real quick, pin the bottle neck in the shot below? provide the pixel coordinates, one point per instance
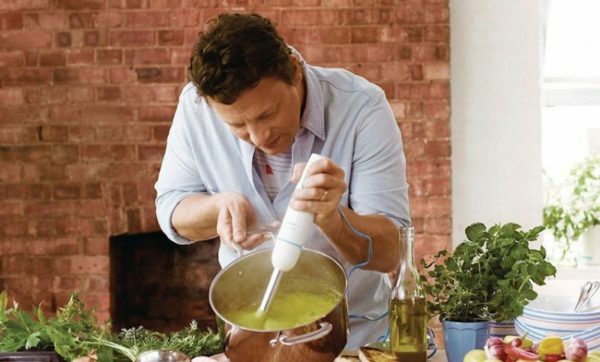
(407, 246)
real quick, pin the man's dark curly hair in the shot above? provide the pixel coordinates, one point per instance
(235, 53)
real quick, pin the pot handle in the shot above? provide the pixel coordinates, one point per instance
(325, 328)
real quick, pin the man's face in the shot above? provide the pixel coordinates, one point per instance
(267, 116)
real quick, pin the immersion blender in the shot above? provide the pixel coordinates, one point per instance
(294, 231)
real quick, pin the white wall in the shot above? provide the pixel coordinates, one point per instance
(496, 129)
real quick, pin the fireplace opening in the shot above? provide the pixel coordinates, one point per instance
(161, 285)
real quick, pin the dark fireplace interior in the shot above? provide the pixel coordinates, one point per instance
(160, 285)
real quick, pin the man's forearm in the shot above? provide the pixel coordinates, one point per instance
(381, 230)
(195, 217)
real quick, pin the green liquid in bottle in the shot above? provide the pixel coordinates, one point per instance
(408, 329)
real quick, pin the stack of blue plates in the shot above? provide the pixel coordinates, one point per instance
(553, 315)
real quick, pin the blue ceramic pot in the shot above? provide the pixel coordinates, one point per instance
(461, 337)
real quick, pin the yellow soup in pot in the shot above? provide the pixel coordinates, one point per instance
(289, 309)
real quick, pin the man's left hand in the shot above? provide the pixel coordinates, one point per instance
(322, 190)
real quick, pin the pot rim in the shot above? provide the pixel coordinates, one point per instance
(230, 265)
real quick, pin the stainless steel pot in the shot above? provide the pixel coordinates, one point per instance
(244, 281)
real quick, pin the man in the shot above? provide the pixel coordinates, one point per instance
(252, 111)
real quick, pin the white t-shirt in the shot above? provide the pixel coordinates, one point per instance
(274, 171)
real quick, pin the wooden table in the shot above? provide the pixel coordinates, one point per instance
(351, 356)
(347, 356)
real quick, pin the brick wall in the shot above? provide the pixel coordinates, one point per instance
(87, 93)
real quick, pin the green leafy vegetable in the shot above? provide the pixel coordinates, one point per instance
(490, 276)
(75, 333)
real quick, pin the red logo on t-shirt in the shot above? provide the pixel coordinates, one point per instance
(268, 170)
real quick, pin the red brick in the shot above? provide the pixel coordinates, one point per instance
(65, 153)
(66, 191)
(156, 113)
(11, 97)
(437, 33)
(109, 93)
(179, 56)
(336, 3)
(436, 14)
(53, 133)
(138, 133)
(92, 191)
(437, 71)
(80, 57)
(79, 75)
(364, 35)
(437, 109)
(109, 133)
(134, 221)
(25, 39)
(79, 94)
(170, 37)
(109, 153)
(12, 58)
(24, 4)
(184, 18)
(109, 56)
(11, 21)
(82, 20)
(414, 34)
(52, 95)
(160, 75)
(416, 72)
(160, 132)
(381, 53)
(129, 4)
(52, 20)
(151, 153)
(89, 265)
(13, 208)
(365, 16)
(146, 19)
(309, 17)
(80, 4)
(93, 113)
(94, 38)
(335, 35)
(63, 39)
(149, 56)
(55, 58)
(92, 208)
(122, 75)
(165, 4)
(438, 148)
(95, 246)
(440, 90)
(109, 19)
(11, 191)
(24, 76)
(31, 58)
(131, 38)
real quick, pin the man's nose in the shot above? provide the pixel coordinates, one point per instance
(259, 135)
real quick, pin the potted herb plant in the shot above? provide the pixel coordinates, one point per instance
(572, 211)
(489, 276)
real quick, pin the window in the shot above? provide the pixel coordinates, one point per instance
(571, 93)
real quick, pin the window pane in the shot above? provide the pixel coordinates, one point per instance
(572, 45)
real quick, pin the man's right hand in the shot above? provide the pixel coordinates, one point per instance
(235, 216)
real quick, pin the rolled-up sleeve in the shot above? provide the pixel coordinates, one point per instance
(178, 177)
(378, 181)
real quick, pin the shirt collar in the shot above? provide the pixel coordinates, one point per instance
(313, 116)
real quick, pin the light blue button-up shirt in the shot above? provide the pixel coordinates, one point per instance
(345, 118)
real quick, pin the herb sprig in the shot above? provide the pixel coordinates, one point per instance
(75, 332)
(489, 276)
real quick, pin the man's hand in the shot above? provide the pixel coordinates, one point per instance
(235, 216)
(322, 190)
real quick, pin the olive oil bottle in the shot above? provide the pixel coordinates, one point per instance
(408, 307)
